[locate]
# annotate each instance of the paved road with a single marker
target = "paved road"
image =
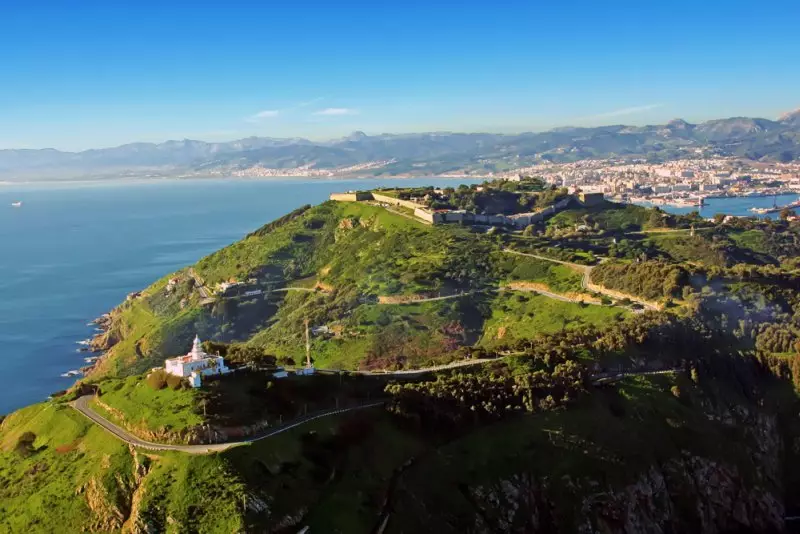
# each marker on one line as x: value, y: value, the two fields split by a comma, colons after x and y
x: 306, y: 289
x: 406, y: 372
x: 606, y: 378
x: 82, y: 405
x: 199, y: 284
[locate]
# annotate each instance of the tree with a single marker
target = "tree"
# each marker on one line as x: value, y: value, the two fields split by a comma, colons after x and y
x: 656, y: 219
x: 786, y: 213
x: 796, y: 371
x: 719, y: 218
x: 248, y: 355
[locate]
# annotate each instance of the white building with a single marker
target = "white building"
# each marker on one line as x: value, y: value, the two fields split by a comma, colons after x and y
x: 195, y: 364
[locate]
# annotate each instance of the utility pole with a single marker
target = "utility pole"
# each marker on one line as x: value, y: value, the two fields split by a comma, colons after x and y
x: 308, y: 347
x: 205, y: 419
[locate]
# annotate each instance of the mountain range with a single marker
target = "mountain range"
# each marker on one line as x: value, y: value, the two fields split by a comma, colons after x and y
x: 419, y: 153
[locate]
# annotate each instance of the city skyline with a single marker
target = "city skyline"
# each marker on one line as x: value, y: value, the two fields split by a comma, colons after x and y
x: 102, y: 76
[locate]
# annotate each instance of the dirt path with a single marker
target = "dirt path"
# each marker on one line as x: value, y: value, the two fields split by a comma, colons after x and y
x: 586, y: 282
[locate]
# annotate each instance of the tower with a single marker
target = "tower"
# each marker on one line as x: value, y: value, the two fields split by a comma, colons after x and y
x: 308, y: 347
x: 197, y: 349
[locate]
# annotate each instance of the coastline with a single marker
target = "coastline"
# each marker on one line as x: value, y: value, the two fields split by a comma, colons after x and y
x: 228, y: 178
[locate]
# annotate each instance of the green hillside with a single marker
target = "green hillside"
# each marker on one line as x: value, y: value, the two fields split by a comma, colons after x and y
x: 351, y: 267
x: 541, y: 405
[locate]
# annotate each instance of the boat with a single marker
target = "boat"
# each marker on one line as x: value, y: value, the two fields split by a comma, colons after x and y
x: 16, y: 204
x: 775, y: 208
x: 72, y: 373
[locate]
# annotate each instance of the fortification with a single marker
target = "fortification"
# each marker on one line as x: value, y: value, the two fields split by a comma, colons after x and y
x: 352, y: 196
x: 396, y: 201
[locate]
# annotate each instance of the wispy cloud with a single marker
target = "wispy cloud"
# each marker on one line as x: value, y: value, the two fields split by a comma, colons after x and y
x: 262, y: 115
x: 309, y: 102
x: 336, y: 111
x: 621, y: 112
x: 272, y: 113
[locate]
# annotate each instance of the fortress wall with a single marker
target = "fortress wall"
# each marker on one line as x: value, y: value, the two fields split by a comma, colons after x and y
x: 429, y: 216
x: 351, y: 197
x: 396, y: 201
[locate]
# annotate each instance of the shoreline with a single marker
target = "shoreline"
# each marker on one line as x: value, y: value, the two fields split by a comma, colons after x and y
x: 152, y: 180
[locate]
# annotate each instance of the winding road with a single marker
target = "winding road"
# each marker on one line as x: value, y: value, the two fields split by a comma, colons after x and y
x: 586, y: 282
x: 406, y: 372
x: 81, y: 404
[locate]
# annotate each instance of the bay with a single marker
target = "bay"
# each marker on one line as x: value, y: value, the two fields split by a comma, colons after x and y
x: 71, y: 252
x: 739, y: 206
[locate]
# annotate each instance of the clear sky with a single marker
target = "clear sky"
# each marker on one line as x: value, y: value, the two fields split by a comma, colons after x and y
x: 107, y: 73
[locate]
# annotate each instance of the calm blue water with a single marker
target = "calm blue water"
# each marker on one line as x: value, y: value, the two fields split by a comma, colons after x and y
x: 736, y: 206
x: 73, y: 251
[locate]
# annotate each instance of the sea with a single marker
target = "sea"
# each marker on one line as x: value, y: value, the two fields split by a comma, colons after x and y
x: 734, y: 206
x: 73, y: 251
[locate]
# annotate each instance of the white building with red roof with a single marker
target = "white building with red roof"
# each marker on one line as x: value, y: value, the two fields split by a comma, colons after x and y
x: 196, y: 364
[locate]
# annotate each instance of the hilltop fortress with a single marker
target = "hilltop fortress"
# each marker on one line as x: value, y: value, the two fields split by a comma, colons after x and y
x: 442, y: 216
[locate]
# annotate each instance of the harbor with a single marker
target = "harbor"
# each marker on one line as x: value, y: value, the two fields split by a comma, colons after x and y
x: 775, y: 208
x: 738, y: 206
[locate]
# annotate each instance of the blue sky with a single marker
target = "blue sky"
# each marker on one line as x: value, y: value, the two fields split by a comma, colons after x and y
x: 102, y: 75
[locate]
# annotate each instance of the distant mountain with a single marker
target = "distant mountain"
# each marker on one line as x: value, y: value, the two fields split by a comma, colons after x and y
x: 791, y: 119
x: 419, y: 153
x: 723, y: 130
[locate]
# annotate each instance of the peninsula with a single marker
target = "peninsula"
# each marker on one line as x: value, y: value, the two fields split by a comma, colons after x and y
x: 512, y: 356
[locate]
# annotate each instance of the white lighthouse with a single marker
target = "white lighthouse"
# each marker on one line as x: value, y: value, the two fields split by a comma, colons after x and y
x: 195, y: 364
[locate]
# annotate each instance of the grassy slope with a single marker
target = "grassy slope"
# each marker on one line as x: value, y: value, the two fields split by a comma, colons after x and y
x: 145, y: 407
x: 360, y: 251
x: 42, y: 493
x: 77, y: 463
x: 522, y: 316
x: 559, y: 278
x: 341, y: 488
x: 608, y: 216
x: 682, y: 247
x: 750, y: 239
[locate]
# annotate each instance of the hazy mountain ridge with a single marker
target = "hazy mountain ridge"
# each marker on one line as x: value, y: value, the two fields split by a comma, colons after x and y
x: 421, y: 153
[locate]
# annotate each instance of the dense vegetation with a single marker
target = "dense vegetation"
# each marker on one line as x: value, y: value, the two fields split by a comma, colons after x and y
x: 651, y: 280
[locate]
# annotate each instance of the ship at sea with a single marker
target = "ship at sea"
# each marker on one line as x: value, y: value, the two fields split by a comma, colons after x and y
x: 775, y: 208
x: 16, y: 204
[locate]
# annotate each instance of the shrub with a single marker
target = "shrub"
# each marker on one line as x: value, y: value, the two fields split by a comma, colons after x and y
x: 24, y: 445
x: 157, y: 379
x: 174, y: 382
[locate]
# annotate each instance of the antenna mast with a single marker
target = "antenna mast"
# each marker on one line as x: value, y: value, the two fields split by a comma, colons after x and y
x: 308, y: 347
